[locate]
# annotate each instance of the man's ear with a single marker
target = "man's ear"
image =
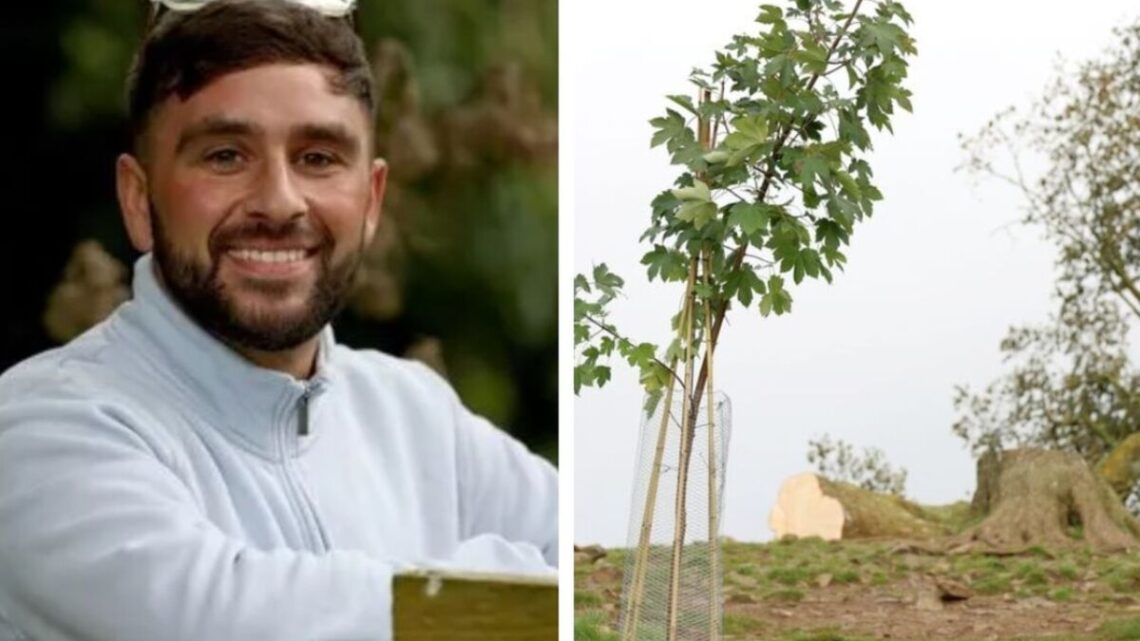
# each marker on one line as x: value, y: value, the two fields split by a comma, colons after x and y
x: 378, y: 180
x: 134, y: 201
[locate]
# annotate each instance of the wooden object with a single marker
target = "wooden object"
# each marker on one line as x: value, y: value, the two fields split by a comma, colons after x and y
x: 430, y: 605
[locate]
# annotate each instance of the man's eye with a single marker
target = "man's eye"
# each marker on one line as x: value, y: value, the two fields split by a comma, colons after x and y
x: 224, y: 158
x: 318, y: 160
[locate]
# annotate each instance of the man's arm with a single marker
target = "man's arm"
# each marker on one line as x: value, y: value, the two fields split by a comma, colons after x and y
x: 99, y: 541
x: 504, y: 489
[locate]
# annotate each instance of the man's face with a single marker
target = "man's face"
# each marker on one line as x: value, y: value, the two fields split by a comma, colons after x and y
x: 260, y: 196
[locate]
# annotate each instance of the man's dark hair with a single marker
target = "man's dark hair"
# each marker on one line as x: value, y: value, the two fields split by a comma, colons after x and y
x: 184, y: 52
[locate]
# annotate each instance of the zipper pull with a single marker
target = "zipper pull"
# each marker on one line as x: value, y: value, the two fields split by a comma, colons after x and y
x: 303, y: 415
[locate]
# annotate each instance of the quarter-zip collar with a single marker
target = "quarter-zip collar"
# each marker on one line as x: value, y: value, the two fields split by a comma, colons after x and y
x: 262, y: 409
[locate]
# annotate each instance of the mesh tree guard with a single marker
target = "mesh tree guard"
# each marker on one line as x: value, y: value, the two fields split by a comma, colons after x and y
x: 653, y: 525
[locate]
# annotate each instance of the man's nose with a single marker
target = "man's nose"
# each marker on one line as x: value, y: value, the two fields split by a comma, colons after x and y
x: 276, y: 194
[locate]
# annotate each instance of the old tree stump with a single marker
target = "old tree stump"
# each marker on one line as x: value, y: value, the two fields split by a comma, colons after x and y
x: 1048, y: 498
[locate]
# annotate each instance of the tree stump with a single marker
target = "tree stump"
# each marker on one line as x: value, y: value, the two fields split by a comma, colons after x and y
x: 810, y: 505
x: 1041, y: 497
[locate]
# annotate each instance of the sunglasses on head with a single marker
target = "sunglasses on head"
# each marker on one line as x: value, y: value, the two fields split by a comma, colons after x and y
x: 343, y: 9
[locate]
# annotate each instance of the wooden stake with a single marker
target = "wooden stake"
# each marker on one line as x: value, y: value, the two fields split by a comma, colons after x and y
x: 714, y: 593
x: 640, y: 563
x: 682, y: 473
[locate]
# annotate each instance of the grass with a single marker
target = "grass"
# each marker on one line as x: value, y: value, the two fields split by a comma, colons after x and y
x: 590, y: 626
x: 583, y: 599
x: 1068, y: 571
x: 1120, y: 630
x: 1025, y: 568
x: 997, y: 584
x: 1061, y: 594
x: 736, y: 625
x: 788, y: 576
x: 786, y: 594
x: 789, y: 571
x: 1123, y: 578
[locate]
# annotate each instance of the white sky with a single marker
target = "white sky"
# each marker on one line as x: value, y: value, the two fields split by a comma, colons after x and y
x: 933, y: 280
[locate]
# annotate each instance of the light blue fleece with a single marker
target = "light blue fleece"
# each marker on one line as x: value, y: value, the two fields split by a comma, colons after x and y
x: 154, y: 486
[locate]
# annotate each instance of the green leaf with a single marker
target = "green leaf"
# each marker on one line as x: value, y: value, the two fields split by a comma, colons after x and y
x: 685, y: 103
x: 605, y: 279
x: 850, y: 187
x: 668, y: 127
x: 581, y: 284
x: 581, y: 333
x: 716, y: 156
x: 699, y: 213
x: 749, y: 217
x: 813, y: 57
x: 770, y: 14
x: 642, y: 354
x: 811, y: 167
x: 748, y: 131
x: 810, y: 260
x: 652, y: 400
x: 699, y: 192
x: 666, y: 264
x: 886, y: 36
x: 654, y: 377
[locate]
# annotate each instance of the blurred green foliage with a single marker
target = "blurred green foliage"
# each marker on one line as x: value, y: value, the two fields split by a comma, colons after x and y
x: 464, y: 270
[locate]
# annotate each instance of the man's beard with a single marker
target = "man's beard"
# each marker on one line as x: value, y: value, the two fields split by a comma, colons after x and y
x: 204, y: 297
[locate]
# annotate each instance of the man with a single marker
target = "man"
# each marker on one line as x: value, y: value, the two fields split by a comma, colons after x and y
x: 209, y: 463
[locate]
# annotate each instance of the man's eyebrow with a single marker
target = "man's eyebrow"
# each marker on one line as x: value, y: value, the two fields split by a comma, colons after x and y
x: 213, y: 126
x: 332, y: 133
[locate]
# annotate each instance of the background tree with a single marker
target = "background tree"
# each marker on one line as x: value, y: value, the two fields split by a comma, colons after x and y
x: 1075, y: 158
x: 870, y: 469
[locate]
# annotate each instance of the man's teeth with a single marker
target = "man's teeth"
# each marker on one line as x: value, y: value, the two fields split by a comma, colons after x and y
x: 278, y: 256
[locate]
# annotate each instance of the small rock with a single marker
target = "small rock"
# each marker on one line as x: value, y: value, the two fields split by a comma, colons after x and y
x: 952, y: 590
x: 588, y: 553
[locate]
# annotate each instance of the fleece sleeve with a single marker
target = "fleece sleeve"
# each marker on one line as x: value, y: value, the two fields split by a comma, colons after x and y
x: 100, y: 541
x: 504, y: 489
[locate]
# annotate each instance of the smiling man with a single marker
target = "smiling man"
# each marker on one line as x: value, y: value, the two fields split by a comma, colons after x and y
x: 209, y: 463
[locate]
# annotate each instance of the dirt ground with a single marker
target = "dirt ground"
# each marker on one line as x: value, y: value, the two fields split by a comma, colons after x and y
x: 872, y: 590
x: 919, y: 613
